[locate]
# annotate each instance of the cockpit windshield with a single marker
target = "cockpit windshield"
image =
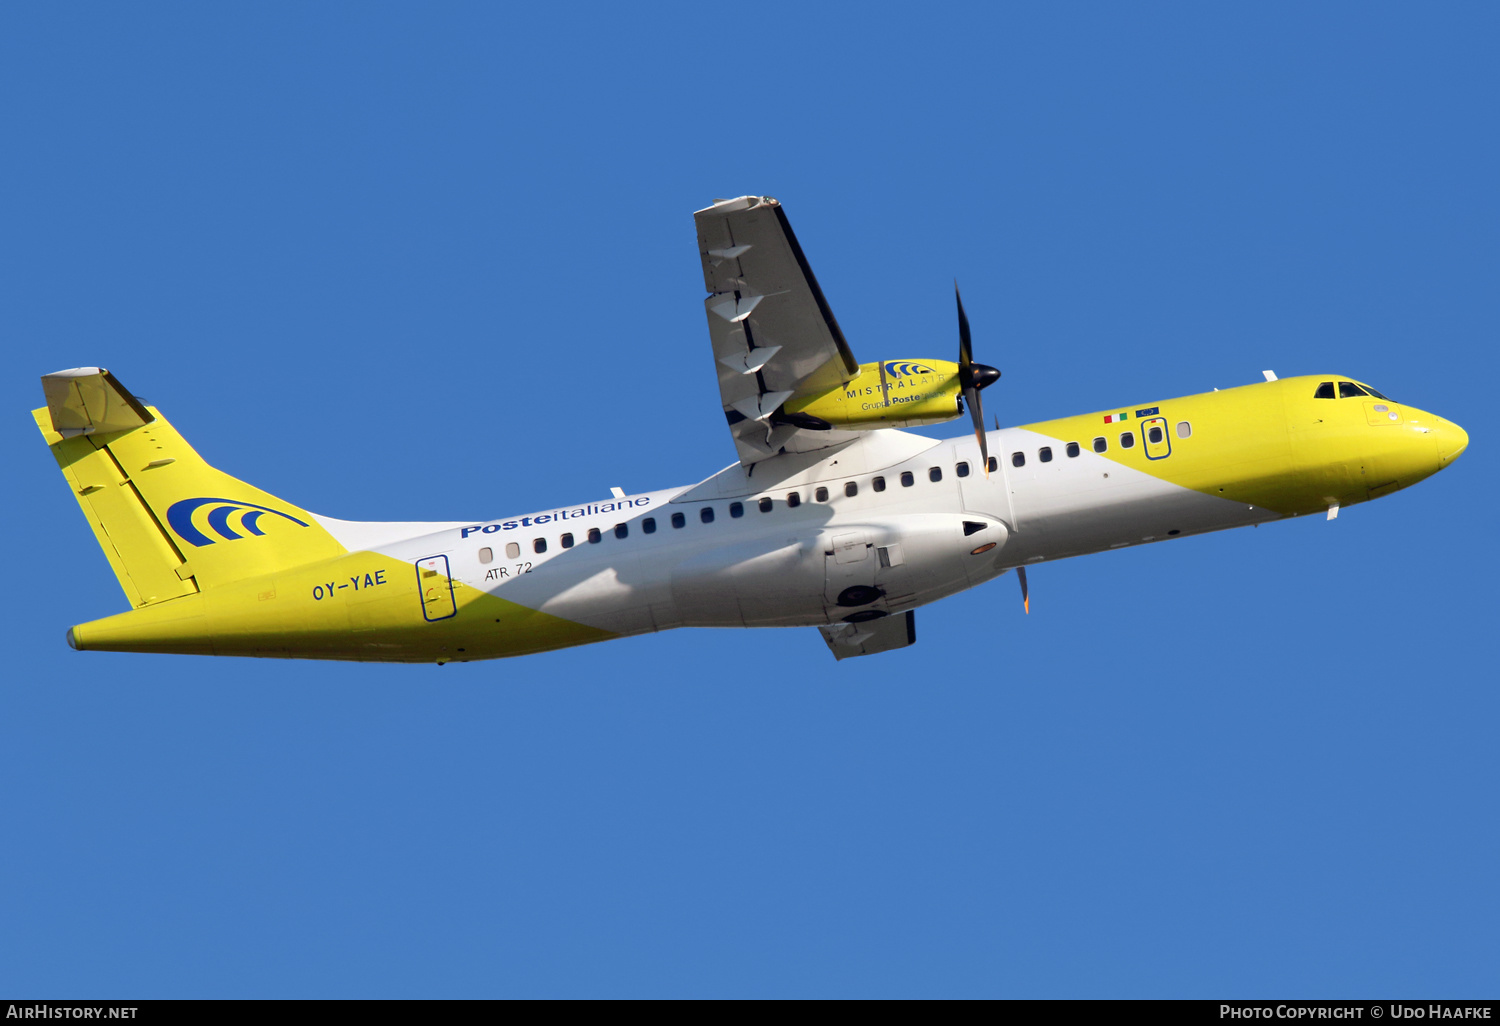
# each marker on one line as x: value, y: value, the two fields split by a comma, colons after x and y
x: 1347, y: 390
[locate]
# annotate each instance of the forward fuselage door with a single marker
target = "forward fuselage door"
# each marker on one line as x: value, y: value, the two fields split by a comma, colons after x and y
x: 1154, y: 437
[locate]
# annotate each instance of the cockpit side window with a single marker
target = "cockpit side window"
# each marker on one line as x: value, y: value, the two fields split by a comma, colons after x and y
x: 1349, y: 390
x: 1325, y: 391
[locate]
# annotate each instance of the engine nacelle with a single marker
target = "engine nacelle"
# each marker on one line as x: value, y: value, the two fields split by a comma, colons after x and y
x: 886, y: 394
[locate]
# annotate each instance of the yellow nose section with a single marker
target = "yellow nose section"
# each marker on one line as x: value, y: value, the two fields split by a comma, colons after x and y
x: 1452, y: 440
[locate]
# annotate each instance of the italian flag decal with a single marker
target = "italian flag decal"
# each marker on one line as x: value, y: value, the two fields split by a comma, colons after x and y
x: 1114, y: 418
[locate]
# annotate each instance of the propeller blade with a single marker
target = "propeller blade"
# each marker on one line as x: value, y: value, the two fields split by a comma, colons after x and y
x: 1025, y: 591
x: 967, y: 383
x: 976, y: 414
x: 965, y: 344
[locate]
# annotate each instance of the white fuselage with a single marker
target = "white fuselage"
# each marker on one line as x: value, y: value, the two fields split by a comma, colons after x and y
x: 898, y: 546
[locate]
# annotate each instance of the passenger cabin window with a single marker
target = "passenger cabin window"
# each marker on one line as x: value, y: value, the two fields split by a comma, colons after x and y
x: 906, y: 479
x: 765, y: 505
x: 1349, y: 390
x: 962, y: 469
x: 821, y: 495
x: 486, y: 555
x: 994, y: 464
x: 1127, y: 440
x: 850, y: 490
x: 1018, y: 459
x: 1184, y: 429
x: 736, y: 509
x: 1325, y: 391
x: 1155, y: 434
x: 679, y: 520
x: 1100, y: 445
x: 1071, y: 449
x: 1045, y: 454
x: 512, y: 550
x: 649, y: 525
x: 878, y: 484
x: 594, y: 536
x: 793, y: 500
x: 567, y: 541
x: 935, y: 474
x: 706, y: 514
x: 622, y: 530
x: 540, y: 545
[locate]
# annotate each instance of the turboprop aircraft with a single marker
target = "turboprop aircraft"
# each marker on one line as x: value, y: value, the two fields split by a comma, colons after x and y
x: 831, y: 518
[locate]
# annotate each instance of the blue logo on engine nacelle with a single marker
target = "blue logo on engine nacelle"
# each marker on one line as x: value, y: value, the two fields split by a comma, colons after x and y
x: 180, y: 517
x: 904, y: 368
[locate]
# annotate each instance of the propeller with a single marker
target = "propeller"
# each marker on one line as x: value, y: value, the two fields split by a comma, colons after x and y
x: 1025, y: 591
x: 972, y: 377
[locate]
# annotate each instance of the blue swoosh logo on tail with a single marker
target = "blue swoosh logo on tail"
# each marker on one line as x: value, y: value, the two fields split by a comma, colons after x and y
x: 180, y: 519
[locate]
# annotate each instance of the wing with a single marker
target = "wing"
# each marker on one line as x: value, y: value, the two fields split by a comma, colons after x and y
x: 774, y: 336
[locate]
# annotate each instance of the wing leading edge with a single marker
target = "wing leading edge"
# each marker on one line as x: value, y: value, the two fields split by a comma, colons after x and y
x: 774, y: 336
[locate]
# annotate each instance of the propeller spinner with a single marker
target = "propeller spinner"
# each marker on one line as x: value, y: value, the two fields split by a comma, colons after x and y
x: 972, y: 377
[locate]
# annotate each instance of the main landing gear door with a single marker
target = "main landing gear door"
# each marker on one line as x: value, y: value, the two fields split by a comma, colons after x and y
x: 849, y: 571
x: 436, y: 588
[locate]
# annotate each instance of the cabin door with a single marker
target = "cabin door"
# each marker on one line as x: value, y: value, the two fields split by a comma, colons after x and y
x: 1154, y: 438
x: 436, y: 588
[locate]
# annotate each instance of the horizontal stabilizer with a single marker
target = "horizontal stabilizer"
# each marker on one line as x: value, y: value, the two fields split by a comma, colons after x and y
x: 89, y: 401
x: 847, y: 640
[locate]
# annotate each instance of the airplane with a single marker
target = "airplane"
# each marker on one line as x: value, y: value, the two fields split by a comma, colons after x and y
x: 832, y: 517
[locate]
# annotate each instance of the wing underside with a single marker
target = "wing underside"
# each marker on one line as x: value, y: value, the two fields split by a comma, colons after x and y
x: 774, y: 336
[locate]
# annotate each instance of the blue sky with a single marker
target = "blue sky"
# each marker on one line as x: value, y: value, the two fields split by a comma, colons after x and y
x: 437, y: 262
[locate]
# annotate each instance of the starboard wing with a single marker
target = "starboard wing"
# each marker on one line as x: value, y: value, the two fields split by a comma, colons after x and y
x: 774, y: 336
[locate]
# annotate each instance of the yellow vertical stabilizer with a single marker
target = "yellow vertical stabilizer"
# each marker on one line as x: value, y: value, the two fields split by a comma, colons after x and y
x: 170, y: 524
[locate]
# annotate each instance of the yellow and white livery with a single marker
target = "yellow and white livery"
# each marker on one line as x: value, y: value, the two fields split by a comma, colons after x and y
x: 832, y: 517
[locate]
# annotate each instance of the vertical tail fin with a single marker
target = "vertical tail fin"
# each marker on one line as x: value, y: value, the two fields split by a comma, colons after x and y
x: 169, y: 523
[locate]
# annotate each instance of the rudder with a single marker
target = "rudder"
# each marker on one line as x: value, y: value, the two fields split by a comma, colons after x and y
x: 169, y: 523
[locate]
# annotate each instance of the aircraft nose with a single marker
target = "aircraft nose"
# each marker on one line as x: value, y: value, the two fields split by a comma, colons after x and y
x: 1452, y: 440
